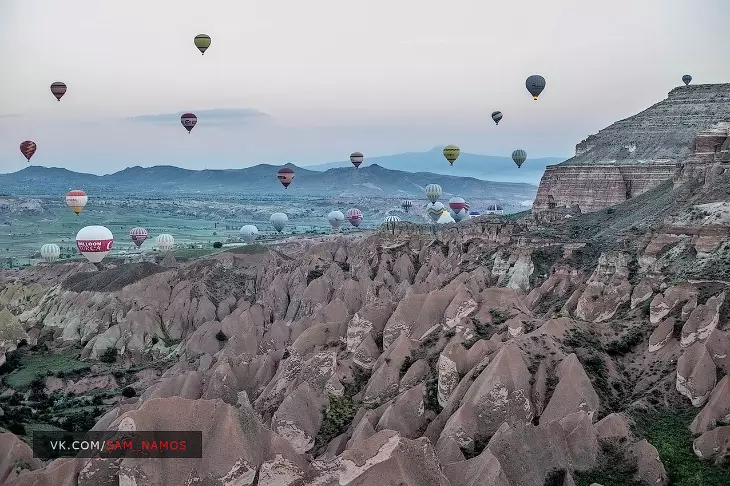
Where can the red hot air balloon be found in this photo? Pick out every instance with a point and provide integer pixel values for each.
(58, 89)
(138, 236)
(28, 149)
(188, 120)
(354, 216)
(285, 176)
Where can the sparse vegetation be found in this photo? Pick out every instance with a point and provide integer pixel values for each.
(627, 343)
(109, 355)
(129, 392)
(221, 336)
(668, 431)
(614, 468)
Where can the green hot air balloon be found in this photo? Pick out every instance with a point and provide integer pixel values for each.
(535, 84)
(519, 156)
(451, 152)
(202, 42)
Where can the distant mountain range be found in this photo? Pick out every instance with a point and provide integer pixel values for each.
(369, 181)
(487, 167)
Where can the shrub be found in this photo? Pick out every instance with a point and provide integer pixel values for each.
(217, 244)
(109, 355)
(128, 392)
(221, 336)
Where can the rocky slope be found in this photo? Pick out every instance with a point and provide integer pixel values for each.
(637, 153)
(496, 352)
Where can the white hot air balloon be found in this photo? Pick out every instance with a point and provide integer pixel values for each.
(336, 218)
(434, 210)
(50, 252)
(278, 221)
(249, 233)
(391, 222)
(165, 242)
(94, 242)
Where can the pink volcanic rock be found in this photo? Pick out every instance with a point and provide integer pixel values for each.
(714, 445)
(15, 455)
(696, 374)
(574, 392)
(716, 410)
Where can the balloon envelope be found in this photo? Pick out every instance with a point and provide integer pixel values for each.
(434, 210)
(496, 116)
(433, 192)
(406, 205)
(535, 84)
(457, 203)
(94, 242)
(686, 79)
(278, 221)
(58, 89)
(50, 252)
(188, 120)
(202, 42)
(354, 216)
(285, 176)
(356, 158)
(249, 233)
(165, 242)
(138, 236)
(336, 218)
(519, 156)
(451, 152)
(444, 218)
(76, 200)
(28, 148)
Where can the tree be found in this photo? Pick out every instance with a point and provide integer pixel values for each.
(217, 244)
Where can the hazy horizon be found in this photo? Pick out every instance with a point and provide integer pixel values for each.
(312, 82)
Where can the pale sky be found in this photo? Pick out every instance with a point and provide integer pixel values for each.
(336, 76)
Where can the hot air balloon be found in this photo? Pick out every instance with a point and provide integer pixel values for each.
(285, 176)
(473, 213)
(58, 89)
(94, 242)
(354, 216)
(686, 79)
(390, 222)
(434, 210)
(466, 205)
(50, 252)
(535, 84)
(278, 221)
(336, 218)
(249, 233)
(165, 242)
(406, 205)
(444, 218)
(433, 192)
(458, 215)
(188, 120)
(76, 200)
(202, 42)
(519, 156)
(28, 148)
(496, 116)
(457, 203)
(356, 158)
(451, 152)
(138, 236)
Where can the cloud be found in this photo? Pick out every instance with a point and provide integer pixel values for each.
(213, 116)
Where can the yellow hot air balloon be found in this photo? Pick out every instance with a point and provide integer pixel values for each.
(202, 42)
(451, 152)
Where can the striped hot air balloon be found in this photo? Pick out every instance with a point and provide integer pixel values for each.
(202, 42)
(50, 252)
(28, 148)
(354, 216)
(433, 192)
(138, 236)
(535, 84)
(76, 200)
(451, 153)
(165, 242)
(356, 158)
(496, 116)
(406, 205)
(58, 89)
(519, 156)
(457, 203)
(434, 210)
(285, 176)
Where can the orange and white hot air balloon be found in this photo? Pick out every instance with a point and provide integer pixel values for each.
(76, 200)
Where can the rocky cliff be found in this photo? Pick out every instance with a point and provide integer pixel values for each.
(635, 154)
(494, 352)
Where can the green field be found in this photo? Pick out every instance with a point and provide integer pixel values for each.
(39, 365)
